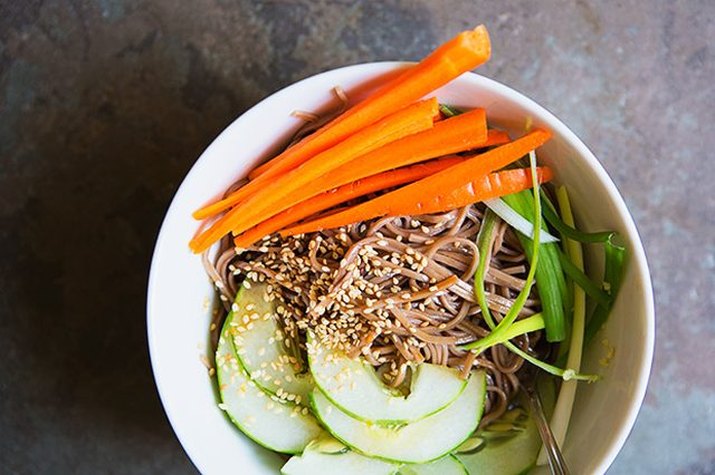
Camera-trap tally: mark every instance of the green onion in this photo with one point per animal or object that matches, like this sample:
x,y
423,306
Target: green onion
x,y
449,111
521,327
613,274
565,374
569,231
500,330
550,279
485,239
517,221
615,258
582,280
567,393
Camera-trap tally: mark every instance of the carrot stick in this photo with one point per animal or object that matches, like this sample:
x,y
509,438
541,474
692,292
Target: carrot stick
x,y
431,194
365,140
463,53
457,134
495,137
347,192
255,207
492,185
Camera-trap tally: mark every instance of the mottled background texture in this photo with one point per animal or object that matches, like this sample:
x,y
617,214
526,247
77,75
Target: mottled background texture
x,y
105,104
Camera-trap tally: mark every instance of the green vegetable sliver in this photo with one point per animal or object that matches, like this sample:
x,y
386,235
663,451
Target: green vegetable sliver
x,y
485,240
615,259
484,243
550,280
581,279
449,111
531,324
613,274
567,393
570,231
500,330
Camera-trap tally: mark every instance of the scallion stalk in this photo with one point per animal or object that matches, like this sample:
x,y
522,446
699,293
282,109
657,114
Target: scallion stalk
x,y
567,393
571,232
613,275
517,221
500,330
485,239
581,279
550,279
521,327
449,111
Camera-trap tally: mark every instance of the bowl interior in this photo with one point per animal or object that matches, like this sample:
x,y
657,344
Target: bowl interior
x,y
180,296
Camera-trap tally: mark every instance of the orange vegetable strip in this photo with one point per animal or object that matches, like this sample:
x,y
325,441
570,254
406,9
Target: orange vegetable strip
x,y
342,194
355,141
456,134
260,204
495,137
462,53
364,141
492,185
433,193
223,204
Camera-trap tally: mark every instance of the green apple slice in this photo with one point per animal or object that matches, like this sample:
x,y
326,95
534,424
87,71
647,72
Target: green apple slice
x,y
259,344
449,465
277,425
432,389
417,442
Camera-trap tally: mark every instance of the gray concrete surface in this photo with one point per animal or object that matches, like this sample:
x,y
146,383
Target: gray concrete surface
x,y
104,106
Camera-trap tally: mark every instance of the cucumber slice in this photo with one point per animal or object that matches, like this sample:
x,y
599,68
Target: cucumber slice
x,y
259,345
275,424
432,389
416,442
328,456
508,446
449,465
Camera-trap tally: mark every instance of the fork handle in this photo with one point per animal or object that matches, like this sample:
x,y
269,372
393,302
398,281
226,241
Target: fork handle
x,y
557,464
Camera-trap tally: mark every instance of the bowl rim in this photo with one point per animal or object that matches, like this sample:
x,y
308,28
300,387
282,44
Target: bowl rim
x,y
637,260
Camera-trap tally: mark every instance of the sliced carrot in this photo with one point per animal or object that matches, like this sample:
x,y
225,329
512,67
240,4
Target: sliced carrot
x,y
347,192
387,130
260,204
457,134
463,53
492,185
466,181
495,137
364,141
464,132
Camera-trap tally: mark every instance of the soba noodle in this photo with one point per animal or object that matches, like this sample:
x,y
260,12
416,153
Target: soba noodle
x,y
394,290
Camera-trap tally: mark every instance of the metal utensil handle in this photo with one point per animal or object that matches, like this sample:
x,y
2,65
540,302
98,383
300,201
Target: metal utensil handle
x,y
557,464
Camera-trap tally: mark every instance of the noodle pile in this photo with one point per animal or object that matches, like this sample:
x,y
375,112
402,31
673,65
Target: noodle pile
x,y
393,290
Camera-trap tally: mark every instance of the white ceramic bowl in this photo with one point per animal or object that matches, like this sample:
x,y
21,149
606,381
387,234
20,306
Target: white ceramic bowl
x,y
179,292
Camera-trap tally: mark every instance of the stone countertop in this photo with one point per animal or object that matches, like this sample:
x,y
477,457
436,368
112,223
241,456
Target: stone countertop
x,y
105,104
